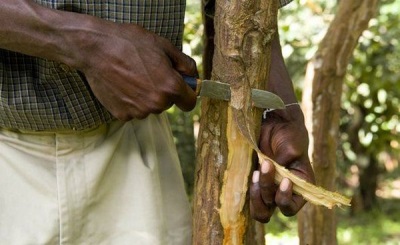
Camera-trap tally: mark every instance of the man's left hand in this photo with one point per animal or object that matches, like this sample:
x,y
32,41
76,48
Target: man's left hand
x,y
284,139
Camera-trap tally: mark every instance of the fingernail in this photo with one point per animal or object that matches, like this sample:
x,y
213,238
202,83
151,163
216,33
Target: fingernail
x,y
265,167
284,186
256,176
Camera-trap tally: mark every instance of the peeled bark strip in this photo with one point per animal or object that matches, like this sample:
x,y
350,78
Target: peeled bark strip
x,y
324,81
314,194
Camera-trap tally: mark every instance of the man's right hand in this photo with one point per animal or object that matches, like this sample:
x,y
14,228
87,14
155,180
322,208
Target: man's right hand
x,y
134,72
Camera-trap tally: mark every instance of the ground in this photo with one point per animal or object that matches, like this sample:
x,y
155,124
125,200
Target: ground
x,y
379,227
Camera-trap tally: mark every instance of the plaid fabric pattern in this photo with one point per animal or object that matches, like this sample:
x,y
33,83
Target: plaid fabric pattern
x,y
38,94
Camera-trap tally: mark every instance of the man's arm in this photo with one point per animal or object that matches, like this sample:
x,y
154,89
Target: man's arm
x,y
279,80
284,138
123,63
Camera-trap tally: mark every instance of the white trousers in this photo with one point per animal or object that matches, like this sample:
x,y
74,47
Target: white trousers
x,y
117,184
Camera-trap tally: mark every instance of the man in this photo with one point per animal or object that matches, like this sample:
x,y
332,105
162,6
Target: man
x,y
86,154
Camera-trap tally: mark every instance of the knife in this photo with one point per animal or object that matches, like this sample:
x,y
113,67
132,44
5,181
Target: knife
x,y
222,91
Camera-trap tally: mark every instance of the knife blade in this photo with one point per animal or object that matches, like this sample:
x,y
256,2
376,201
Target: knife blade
x,y
222,91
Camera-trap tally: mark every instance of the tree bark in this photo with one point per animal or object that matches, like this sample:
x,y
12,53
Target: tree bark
x,y
321,102
243,31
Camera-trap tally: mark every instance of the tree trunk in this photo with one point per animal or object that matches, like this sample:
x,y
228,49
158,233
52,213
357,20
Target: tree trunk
x,y
244,30
369,183
321,101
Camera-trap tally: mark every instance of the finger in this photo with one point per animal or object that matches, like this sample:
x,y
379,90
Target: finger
x,y
288,151
182,62
258,210
288,202
267,184
186,98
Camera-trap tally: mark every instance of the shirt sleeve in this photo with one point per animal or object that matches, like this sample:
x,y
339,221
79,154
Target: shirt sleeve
x,y
283,2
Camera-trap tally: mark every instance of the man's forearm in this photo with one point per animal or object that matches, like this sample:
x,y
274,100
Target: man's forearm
x,y
35,30
279,79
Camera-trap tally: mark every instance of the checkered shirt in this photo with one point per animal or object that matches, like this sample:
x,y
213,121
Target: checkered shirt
x,y
38,94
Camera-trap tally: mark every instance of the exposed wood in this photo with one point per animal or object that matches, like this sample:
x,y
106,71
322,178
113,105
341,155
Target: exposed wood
x,y
323,86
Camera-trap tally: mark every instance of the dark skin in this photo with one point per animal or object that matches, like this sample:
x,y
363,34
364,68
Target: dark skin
x,y
284,139
286,143
124,63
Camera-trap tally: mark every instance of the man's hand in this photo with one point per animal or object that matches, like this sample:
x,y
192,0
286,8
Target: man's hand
x,y
284,139
134,72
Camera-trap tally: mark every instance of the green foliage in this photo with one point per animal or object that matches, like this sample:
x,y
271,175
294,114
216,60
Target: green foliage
x,y
370,228
193,33
301,28
373,83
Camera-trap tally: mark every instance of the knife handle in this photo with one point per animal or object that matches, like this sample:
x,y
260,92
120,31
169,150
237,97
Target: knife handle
x,y
194,83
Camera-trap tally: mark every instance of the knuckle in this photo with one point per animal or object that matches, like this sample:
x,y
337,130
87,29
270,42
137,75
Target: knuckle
x,y
158,103
254,192
265,186
186,64
289,150
191,63
155,103
293,151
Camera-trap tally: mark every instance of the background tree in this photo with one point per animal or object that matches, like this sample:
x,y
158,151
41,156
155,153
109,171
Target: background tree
x,y
321,101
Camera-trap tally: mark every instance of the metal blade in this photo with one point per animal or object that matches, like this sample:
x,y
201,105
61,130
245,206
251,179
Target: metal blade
x,y
221,91
215,90
265,99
